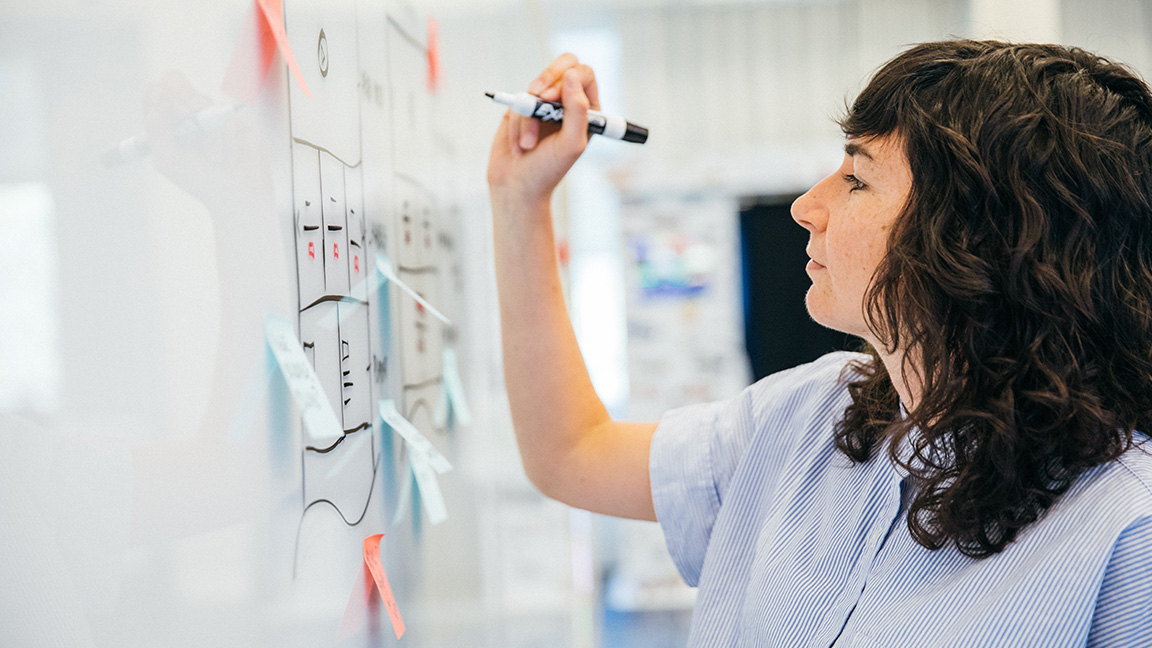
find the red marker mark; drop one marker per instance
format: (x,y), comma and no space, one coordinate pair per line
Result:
(335,251)
(356,262)
(311,250)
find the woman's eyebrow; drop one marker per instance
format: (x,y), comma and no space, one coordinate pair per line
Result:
(853,149)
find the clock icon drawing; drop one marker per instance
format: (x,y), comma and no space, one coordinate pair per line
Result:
(322,53)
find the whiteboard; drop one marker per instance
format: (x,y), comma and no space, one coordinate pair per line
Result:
(173,204)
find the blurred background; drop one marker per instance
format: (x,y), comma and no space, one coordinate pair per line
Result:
(684,275)
(685,270)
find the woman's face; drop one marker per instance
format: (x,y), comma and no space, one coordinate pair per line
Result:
(848,216)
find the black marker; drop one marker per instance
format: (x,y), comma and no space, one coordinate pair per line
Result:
(528,105)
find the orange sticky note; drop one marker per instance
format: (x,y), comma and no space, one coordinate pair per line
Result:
(433,55)
(371,578)
(251,59)
(274,15)
(372,559)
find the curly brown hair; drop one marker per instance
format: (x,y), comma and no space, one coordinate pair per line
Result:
(1019,277)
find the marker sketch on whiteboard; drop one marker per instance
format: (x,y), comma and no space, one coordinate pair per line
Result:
(345,212)
(331,242)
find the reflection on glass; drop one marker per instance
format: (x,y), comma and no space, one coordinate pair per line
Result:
(30,372)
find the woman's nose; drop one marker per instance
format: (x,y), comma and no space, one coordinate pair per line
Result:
(809,210)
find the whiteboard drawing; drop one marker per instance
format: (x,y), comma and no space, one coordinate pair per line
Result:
(418,253)
(331,251)
(339,224)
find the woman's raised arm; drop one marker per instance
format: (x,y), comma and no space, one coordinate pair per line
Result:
(571,448)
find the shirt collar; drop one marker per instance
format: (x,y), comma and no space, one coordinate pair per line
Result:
(904,449)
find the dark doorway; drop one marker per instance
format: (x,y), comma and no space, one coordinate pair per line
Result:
(778,332)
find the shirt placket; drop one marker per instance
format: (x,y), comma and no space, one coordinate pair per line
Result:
(858,579)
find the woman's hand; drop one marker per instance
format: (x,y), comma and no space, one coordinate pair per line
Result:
(529,158)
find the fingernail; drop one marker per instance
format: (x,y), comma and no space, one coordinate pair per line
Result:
(536,86)
(527,140)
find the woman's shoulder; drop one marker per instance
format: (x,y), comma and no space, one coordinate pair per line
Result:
(1133,471)
(807,398)
(1119,491)
(829,373)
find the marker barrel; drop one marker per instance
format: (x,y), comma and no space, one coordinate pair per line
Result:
(612,126)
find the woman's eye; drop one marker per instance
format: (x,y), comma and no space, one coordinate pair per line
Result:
(853,182)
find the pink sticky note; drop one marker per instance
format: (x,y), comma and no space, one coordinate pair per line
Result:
(372,559)
(273,13)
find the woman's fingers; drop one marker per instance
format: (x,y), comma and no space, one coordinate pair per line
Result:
(588,82)
(512,125)
(574,85)
(529,133)
(587,79)
(545,86)
(574,129)
(548,86)
(551,74)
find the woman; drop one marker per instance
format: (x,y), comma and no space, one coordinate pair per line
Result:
(978,476)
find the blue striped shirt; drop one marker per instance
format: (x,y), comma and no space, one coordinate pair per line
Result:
(791,545)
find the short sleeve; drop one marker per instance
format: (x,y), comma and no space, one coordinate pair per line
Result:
(698,449)
(693,453)
(1123,616)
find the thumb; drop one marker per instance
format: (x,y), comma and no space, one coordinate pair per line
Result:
(574,129)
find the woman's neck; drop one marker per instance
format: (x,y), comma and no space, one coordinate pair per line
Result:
(905,375)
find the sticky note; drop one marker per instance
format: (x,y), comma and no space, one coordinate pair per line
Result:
(454,388)
(274,15)
(251,59)
(384,266)
(354,613)
(363,288)
(404,498)
(433,54)
(424,460)
(416,440)
(440,413)
(372,559)
(319,419)
(430,494)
